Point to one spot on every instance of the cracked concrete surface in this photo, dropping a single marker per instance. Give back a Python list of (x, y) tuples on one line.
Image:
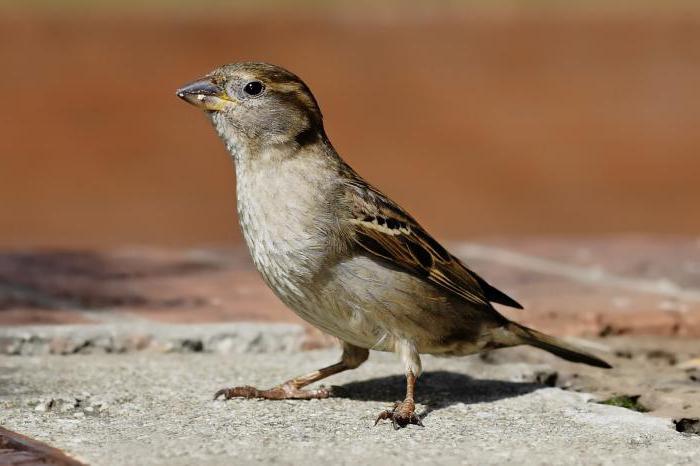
[(156, 409)]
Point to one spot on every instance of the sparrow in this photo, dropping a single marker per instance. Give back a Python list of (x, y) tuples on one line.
[(339, 252)]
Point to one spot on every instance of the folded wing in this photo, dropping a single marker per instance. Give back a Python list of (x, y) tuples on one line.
[(384, 230)]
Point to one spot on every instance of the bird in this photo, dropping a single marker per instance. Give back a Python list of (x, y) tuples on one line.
[(339, 252)]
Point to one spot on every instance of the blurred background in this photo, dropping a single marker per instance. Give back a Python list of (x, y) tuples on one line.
[(524, 117)]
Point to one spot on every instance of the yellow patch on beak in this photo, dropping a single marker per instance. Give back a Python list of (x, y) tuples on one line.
[(205, 94)]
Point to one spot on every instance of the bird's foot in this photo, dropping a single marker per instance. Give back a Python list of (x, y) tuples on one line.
[(286, 391), (403, 414)]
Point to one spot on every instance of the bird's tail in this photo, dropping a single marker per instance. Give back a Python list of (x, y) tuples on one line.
[(554, 345)]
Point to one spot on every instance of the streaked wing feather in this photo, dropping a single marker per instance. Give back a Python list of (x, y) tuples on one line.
[(383, 229)]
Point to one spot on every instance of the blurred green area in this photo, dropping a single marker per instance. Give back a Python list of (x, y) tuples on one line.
[(626, 401)]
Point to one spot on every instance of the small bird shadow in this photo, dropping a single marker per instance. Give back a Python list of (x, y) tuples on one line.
[(436, 390)]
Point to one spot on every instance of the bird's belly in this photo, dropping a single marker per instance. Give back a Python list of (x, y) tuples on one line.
[(372, 306), (369, 304), (342, 300)]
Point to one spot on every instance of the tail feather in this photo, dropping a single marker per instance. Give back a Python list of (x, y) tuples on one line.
[(555, 346)]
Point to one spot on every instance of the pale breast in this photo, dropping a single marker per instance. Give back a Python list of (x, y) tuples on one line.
[(282, 215)]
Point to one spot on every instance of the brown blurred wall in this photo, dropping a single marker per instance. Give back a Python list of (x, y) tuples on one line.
[(480, 122)]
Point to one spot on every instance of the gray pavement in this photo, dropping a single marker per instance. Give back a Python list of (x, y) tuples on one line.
[(149, 408), (122, 337)]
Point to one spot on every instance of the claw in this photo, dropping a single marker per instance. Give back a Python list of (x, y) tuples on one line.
[(400, 416), (418, 422), (242, 392), (383, 415)]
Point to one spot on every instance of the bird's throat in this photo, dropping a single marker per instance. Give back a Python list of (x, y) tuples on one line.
[(237, 144)]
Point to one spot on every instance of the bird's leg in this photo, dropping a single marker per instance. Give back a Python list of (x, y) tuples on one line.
[(404, 412), (352, 357)]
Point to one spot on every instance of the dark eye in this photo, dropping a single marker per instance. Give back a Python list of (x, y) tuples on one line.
[(253, 88)]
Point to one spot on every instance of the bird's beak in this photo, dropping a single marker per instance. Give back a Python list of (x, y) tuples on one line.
[(205, 94)]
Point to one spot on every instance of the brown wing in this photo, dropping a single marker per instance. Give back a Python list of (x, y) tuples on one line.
[(383, 229)]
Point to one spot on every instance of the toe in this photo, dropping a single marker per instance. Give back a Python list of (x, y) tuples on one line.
[(415, 419), (237, 392), (382, 416)]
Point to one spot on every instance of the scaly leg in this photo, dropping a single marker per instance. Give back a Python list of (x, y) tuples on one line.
[(352, 357), (404, 413)]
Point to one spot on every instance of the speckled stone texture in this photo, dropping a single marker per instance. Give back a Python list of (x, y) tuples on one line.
[(156, 409)]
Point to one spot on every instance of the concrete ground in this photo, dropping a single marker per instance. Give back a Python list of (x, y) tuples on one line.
[(113, 357), (153, 408)]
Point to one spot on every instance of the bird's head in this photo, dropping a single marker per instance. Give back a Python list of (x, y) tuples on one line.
[(257, 104)]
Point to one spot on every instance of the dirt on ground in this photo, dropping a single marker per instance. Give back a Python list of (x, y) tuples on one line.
[(652, 374)]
